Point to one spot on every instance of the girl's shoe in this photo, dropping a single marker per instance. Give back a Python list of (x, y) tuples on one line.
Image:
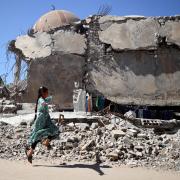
[(46, 143), (29, 157)]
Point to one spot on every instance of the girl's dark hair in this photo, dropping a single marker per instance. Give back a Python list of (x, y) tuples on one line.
[(41, 90)]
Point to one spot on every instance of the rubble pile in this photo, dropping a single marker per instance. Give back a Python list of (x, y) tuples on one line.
[(119, 143), (7, 104)]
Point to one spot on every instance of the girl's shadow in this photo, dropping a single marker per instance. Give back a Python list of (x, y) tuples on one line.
[(96, 167)]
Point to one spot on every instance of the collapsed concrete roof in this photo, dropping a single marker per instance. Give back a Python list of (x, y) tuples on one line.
[(122, 33), (133, 33), (129, 59), (54, 19)]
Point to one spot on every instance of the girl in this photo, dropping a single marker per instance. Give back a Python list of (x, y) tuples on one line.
[(44, 129)]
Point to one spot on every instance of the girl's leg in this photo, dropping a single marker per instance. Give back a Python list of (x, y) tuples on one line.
[(33, 145), (46, 142), (29, 152)]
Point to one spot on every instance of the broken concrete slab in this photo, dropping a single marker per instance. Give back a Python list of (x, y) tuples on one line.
[(110, 18), (42, 44), (171, 30), (38, 46), (69, 42), (143, 69), (131, 35), (106, 21)]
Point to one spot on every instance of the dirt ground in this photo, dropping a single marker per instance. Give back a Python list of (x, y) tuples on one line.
[(78, 171)]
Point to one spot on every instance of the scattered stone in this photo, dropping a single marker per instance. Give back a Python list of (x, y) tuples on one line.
[(70, 125), (110, 126), (88, 145), (82, 126), (102, 144), (132, 132), (113, 156), (94, 125), (130, 115), (118, 133), (141, 135)]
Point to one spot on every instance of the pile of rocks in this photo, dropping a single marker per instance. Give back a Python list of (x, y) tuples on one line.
[(118, 143)]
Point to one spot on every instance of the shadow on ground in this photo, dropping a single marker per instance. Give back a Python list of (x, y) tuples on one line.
[(96, 167)]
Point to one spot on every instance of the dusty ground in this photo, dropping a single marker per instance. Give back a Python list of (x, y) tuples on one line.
[(77, 171)]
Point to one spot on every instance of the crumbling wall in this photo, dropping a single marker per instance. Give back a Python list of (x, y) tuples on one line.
[(137, 61), (129, 60), (57, 72), (56, 60)]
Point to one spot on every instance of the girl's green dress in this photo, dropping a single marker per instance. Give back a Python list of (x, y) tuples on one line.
[(43, 127)]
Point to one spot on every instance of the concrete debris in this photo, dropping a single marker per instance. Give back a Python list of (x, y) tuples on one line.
[(146, 149), (82, 126), (37, 47), (94, 125), (9, 109), (118, 133), (171, 32), (7, 105), (113, 156), (130, 115), (138, 56), (43, 44), (129, 52), (130, 60), (88, 145)]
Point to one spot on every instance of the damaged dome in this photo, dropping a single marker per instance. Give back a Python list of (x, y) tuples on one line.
[(54, 19)]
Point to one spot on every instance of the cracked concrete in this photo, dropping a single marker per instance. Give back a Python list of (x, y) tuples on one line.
[(37, 47), (69, 42), (129, 59), (131, 35)]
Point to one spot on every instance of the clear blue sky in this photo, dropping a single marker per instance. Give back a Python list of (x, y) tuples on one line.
[(19, 15)]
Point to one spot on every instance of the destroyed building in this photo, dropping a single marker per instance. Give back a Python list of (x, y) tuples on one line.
[(130, 60)]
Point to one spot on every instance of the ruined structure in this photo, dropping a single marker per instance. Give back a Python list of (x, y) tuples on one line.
[(130, 60)]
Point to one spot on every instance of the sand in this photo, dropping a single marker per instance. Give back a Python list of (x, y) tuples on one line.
[(78, 171)]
